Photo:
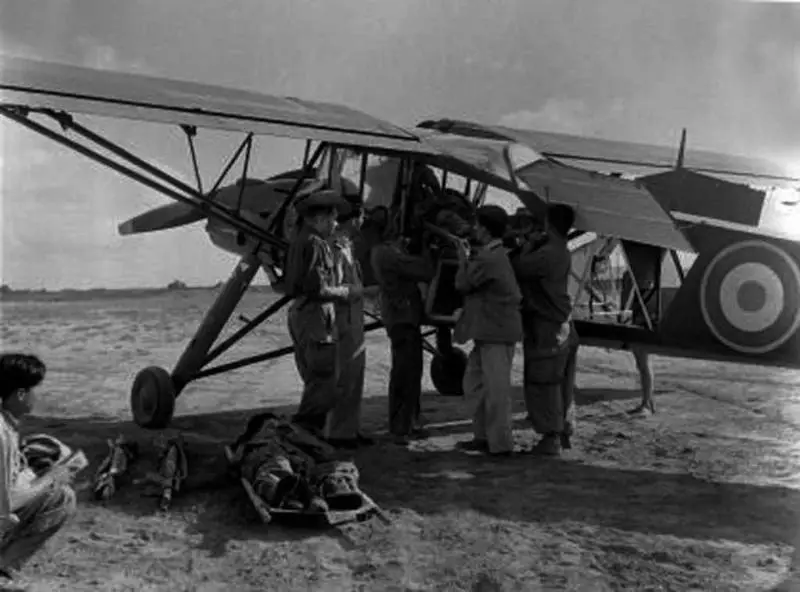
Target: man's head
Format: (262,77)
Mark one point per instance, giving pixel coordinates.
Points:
(491,223)
(320,210)
(351,218)
(560,218)
(20,374)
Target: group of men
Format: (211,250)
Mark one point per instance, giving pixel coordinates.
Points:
(508,297)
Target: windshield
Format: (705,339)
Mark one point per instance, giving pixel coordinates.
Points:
(340,168)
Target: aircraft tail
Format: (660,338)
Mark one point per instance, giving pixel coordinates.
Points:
(741,296)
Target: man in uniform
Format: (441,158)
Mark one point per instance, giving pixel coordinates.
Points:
(550,342)
(311,281)
(33,507)
(343,427)
(398,274)
(492,320)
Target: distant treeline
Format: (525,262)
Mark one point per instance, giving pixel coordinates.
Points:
(69,294)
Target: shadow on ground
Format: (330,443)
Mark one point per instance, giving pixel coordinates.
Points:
(438,481)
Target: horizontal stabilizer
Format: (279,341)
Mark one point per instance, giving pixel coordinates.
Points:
(161,218)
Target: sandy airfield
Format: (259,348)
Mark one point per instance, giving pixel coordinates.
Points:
(703,496)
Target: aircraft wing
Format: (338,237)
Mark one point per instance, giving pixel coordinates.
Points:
(483,160)
(616,156)
(43,85)
(605,205)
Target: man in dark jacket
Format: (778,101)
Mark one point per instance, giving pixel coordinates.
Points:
(550,343)
(491,320)
(399,273)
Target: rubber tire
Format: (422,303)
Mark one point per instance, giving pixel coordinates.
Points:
(153,398)
(447,373)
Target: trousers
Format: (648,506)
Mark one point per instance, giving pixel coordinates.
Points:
(344,419)
(405,378)
(38,522)
(318,365)
(487,381)
(550,358)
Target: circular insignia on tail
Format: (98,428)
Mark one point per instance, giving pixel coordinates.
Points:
(750,296)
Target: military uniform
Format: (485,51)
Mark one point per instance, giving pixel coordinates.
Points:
(288,468)
(492,320)
(344,418)
(550,343)
(311,280)
(398,275)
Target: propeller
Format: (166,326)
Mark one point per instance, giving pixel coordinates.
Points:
(256,197)
(161,218)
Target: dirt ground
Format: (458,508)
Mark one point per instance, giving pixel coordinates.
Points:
(702,496)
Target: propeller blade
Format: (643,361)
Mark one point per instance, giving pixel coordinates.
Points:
(161,218)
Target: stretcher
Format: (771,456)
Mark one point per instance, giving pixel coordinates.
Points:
(300,518)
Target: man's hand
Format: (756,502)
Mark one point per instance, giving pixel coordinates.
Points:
(462,250)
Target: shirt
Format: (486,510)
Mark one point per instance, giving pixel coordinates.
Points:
(11,462)
(311,281)
(491,298)
(543,276)
(398,275)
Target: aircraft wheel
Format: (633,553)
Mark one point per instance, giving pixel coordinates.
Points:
(447,373)
(153,398)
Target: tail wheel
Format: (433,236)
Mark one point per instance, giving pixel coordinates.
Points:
(153,398)
(447,372)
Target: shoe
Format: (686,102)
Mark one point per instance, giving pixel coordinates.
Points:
(365,440)
(549,445)
(566,442)
(504,454)
(474,445)
(400,440)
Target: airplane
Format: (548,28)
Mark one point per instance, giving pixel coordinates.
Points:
(737,300)
(384,166)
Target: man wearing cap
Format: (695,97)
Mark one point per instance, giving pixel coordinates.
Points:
(550,343)
(343,426)
(311,280)
(492,320)
(398,274)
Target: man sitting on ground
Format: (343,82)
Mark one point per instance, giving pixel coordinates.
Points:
(33,507)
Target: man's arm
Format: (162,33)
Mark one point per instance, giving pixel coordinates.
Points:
(472,275)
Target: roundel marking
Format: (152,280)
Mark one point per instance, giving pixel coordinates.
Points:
(750,296)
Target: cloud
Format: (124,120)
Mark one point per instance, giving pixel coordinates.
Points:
(101,56)
(569,116)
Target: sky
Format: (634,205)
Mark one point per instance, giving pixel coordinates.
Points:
(636,70)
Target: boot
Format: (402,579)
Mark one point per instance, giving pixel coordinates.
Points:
(549,445)
(339,486)
(309,501)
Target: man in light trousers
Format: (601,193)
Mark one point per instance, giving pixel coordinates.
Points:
(492,320)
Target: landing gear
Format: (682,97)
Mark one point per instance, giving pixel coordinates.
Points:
(153,398)
(448,365)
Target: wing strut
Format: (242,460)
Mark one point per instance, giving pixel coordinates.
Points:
(190,195)
(191,132)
